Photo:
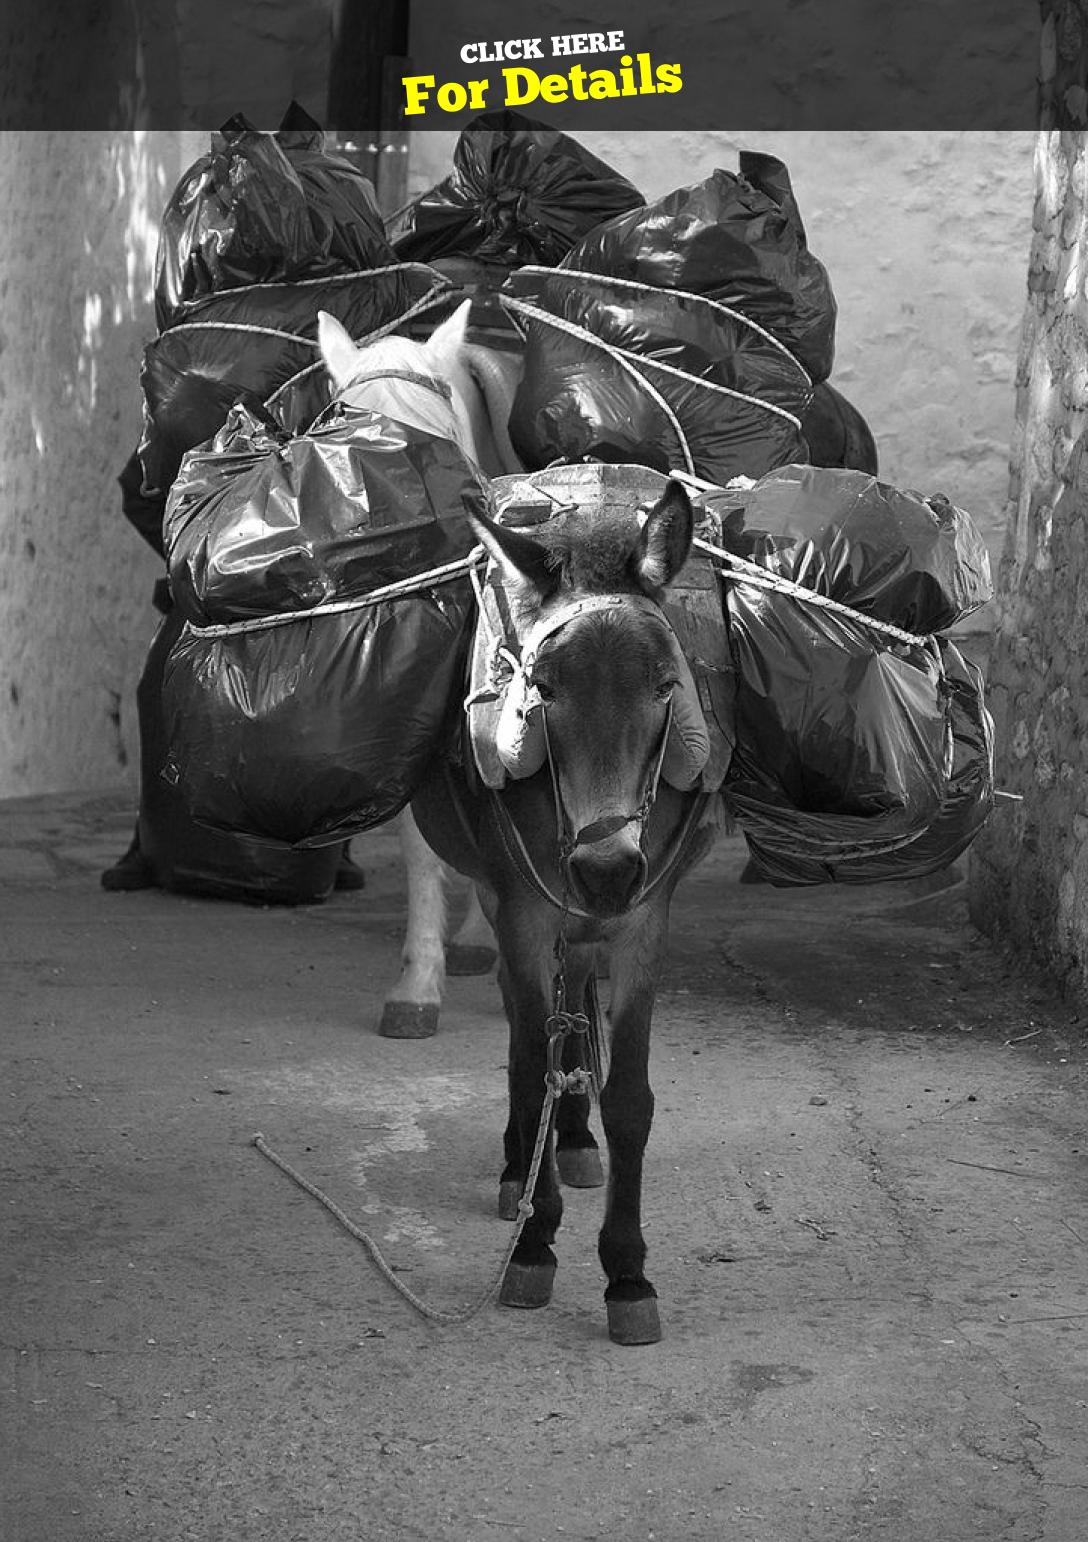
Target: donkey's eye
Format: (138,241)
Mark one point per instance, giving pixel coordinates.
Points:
(544,690)
(665,689)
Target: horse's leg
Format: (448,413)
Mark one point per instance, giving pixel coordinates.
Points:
(576,1152)
(412,1005)
(471,949)
(627,1108)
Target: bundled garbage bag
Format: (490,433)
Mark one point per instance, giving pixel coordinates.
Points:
(860,755)
(794,846)
(734,238)
(262,523)
(581,396)
(918,563)
(310,731)
(835,723)
(186,856)
(258,345)
(305,730)
(519,192)
(692,329)
(263,208)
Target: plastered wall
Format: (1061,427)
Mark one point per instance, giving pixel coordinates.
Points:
(76,264)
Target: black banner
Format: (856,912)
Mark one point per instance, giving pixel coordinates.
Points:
(380,66)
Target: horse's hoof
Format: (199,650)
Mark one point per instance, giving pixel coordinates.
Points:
(510,1190)
(634,1322)
(580,1167)
(408,1020)
(527,1285)
(469,958)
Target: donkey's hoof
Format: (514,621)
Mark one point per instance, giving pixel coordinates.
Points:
(527,1285)
(469,958)
(634,1322)
(509,1196)
(580,1167)
(408,1020)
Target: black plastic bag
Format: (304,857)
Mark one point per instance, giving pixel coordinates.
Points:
(261,523)
(315,729)
(695,326)
(186,856)
(860,756)
(791,847)
(917,563)
(264,208)
(736,239)
(520,192)
(578,399)
(834,720)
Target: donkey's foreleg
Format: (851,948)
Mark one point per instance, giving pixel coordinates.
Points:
(526,939)
(627,1110)
(412,1005)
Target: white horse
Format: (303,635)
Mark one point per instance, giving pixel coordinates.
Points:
(406,380)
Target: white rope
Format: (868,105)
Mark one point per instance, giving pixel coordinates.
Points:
(240,326)
(449,572)
(749,573)
(331,278)
(634,363)
(683,294)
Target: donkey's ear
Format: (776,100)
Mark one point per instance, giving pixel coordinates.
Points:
(337,349)
(524,562)
(449,337)
(664,540)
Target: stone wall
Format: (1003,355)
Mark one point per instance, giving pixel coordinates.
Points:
(1029,870)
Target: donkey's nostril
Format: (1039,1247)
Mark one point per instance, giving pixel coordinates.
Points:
(609,880)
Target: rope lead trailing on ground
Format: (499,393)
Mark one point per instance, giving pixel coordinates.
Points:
(433,1314)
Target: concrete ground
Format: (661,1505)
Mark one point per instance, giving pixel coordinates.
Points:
(865,1196)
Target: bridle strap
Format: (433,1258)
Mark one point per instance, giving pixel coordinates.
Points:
(518,853)
(601,829)
(413,377)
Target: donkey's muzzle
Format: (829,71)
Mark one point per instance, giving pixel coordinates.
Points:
(609,876)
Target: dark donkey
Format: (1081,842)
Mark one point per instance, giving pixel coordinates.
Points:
(583,847)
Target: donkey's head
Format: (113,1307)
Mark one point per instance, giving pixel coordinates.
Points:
(598,690)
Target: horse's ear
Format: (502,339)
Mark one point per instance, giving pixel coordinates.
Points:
(664,540)
(450,336)
(337,349)
(522,560)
